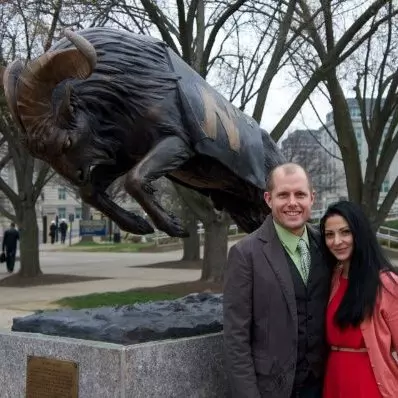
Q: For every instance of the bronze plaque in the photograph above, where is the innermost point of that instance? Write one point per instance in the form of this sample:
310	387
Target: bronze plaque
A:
51	378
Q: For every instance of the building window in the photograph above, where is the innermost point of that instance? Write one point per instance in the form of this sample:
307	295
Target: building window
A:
78	213
61	193
355	112
385	186
61	212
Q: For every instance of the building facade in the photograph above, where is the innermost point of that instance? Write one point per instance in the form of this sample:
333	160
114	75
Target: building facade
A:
329	142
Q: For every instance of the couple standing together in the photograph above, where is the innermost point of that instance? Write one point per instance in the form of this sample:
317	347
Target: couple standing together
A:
309	314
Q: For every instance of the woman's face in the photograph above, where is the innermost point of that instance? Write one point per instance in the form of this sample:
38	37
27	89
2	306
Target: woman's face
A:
338	238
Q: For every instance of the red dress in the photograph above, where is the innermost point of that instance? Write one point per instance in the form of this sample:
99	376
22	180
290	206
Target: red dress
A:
348	374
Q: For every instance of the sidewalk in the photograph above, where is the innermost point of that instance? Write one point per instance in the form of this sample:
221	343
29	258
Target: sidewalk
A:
123	269
56	246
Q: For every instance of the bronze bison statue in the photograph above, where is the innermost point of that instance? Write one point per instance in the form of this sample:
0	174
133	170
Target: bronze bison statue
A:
103	103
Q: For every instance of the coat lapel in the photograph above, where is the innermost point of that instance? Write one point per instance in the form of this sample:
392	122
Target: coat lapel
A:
276	258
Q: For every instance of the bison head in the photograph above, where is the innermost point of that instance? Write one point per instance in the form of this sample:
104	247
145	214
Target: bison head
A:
53	122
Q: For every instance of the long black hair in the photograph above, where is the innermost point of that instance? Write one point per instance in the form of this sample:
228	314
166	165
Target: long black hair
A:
366	263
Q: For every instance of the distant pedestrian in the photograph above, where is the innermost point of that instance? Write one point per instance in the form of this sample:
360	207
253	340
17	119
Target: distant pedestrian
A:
53	231
10	239
63	228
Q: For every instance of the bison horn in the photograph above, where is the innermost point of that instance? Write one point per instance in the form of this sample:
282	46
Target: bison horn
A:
39	77
84	46
10	78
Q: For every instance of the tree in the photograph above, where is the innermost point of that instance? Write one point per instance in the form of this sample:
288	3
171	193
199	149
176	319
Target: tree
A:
375	80
27	28
22	31
171	195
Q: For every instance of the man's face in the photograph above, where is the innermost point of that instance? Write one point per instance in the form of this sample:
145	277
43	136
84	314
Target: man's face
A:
290	200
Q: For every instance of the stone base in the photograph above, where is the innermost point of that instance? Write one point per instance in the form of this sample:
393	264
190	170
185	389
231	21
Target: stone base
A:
182	368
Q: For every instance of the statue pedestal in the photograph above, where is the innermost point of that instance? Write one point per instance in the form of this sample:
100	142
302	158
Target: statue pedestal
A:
186	367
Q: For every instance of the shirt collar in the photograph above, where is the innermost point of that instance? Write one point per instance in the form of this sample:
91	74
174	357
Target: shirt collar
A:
289	240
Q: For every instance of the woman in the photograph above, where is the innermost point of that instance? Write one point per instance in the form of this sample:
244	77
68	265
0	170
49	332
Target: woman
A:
362	315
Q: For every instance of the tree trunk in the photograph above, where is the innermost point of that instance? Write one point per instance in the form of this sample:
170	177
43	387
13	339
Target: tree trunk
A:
110	230
192	243
29	241
86	216
216	233
215	249
346	138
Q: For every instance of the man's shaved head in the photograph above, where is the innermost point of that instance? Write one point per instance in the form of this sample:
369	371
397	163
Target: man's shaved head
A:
287	169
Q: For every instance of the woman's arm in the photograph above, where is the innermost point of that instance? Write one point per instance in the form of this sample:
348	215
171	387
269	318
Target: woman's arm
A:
390	298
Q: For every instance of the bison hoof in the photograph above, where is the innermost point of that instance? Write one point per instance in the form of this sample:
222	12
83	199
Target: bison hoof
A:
145	230
180	233
173	227
136	225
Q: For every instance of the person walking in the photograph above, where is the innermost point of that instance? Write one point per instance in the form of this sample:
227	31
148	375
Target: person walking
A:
276	290
53	231
63	228
9	247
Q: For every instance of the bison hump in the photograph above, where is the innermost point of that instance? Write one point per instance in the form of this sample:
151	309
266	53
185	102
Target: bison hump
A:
217	128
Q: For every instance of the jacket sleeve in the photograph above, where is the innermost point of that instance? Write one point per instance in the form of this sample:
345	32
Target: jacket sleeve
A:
4	241
238	305
391	292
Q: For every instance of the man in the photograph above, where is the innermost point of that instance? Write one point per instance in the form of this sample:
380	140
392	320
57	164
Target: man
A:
10	239
53	231
275	297
63	228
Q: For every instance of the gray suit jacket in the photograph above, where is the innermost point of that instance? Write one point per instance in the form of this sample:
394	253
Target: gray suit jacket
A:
260	317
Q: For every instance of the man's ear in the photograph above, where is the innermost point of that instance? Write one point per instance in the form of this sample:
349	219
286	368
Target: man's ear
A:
267	198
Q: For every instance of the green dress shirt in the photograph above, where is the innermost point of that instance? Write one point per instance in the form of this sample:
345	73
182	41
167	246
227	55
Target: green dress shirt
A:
290	243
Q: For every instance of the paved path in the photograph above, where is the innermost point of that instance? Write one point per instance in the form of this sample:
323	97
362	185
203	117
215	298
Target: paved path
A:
123	268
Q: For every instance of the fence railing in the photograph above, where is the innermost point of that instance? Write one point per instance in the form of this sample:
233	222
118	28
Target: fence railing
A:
388	235
317	214
159	237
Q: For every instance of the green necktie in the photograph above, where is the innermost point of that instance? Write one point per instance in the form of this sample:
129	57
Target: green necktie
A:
305	259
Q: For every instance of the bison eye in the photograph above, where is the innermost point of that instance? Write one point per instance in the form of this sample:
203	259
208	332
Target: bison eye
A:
67	144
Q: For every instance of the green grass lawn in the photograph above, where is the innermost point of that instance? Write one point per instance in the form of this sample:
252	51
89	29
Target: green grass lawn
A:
113	298
391	224
126	247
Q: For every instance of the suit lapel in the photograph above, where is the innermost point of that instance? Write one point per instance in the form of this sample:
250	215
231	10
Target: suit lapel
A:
276	258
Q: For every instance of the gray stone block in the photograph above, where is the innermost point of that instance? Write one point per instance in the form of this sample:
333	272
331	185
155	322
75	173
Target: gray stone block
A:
181	368
99	363
190	367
